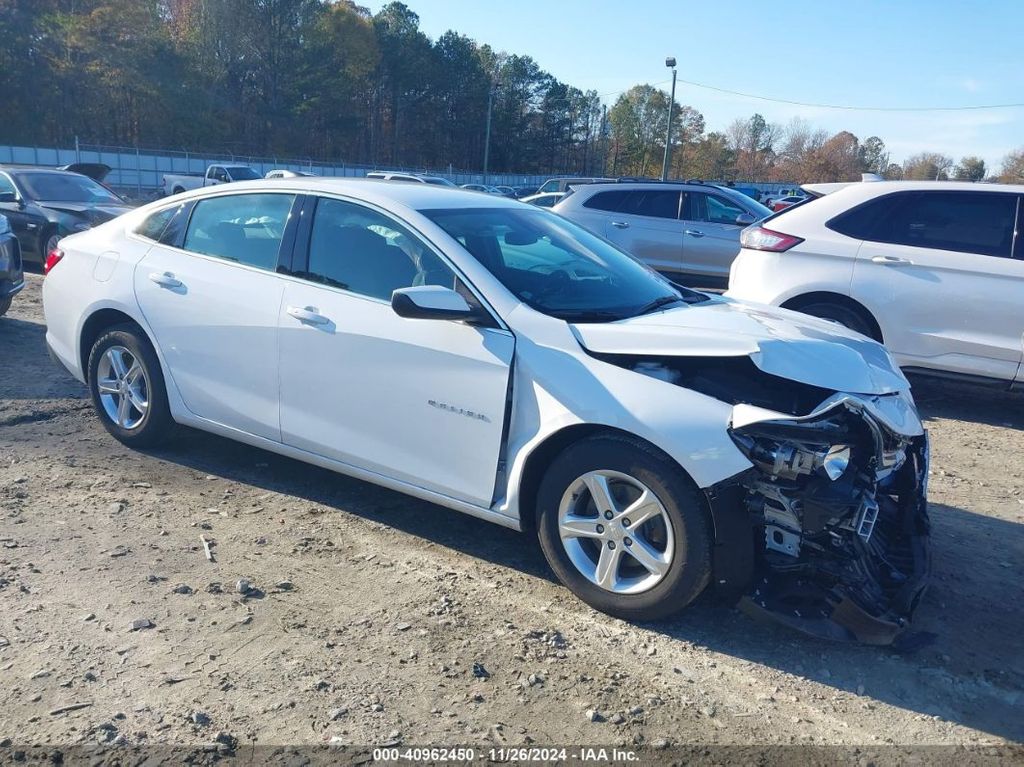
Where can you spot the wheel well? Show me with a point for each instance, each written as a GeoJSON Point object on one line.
{"type": "Point", "coordinates": [545, 453]}
{"type": "Point", "coordinates": [94, 326]}
{"type": "Point", "coordinates": [824, 297]}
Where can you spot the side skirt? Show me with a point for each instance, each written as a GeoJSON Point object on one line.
{"type": "Point", "coordinates": [352, 471]}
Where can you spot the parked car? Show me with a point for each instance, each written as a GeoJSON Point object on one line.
{"type": "Point", "coordinates": [525, 191]}
{"type": "Point", "coordinates": [43, 204]}
{"type": "Point", "coordinates": [12, 279]}
{"type": "Point", "coordinates": [786, 202]}
{"type": "Point", "coordinates": [504, 362]}
{"type": "Point", "coordinates": [507, 191]}
{"type": "Point", "coordinates": [690, 229]}
{"type": "Point", "coordinates": [286, 173]}
{"type": "Point", "coordinates": [546, 200]}
{"type": "Point", "coordinates": [176, 183]}
{"type": "Point", "coordinates": [485, 188]}
{"type": "Point", "coordinates": [415, 178]}
{"type": "Point", "coordinates": [562, 184]}
{"type": "Point", "coordinates": [933, 269]}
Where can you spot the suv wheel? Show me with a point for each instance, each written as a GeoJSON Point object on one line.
{"type": "Point", "coordinates": [127, 387]}
{"type": "Point", "coordinates": [844, 315]}
{"type": "Point", "coordinates": [624, 528]}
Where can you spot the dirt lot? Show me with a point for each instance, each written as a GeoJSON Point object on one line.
{"type": "Point", "coordinates": [376, 618]}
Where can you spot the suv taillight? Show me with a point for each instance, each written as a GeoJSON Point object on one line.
{"type": "Point", "coordinates": [759, 238]}
{"type": "Point", "coordinates": [52, 259]}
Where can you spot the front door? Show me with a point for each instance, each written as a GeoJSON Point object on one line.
{"type": "Point", "coordinates": [940, 275]}
{"type": "Point", "coordinates": [213, 303]}
{"type": "Point", "coordinates": [711, 236]}
{"type": "Point", "coordinates": [420, 401]}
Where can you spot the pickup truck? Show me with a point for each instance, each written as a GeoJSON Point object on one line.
{"type": "Point", "coordinates": [175, 183]}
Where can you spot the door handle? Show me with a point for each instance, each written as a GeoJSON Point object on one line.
{"type": "Point", "coordinates": [693, 232]}
{"type": "Point", "coordinates": [620, 224]}
{"type": "Point", "coordinates": [165, 280]}
{"type": "Point", "coordinates": [891, 261]}
{"type": "Point", "coordinates": [307, 314]}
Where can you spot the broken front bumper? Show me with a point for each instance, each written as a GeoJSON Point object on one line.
{"type": "Point", "coordinates": [844, 559]}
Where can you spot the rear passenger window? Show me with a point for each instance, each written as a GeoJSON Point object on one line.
{"type": "Point", "coordinates": [609, 201]}
{"type": "Point", "coordinates": [658, 203]}
{"type": "Point", "coordinates": [969, 222]}
{"type": "Point", "coordinates": [363, 251]}
{"type": "Point", "coordinates": [245, 228]}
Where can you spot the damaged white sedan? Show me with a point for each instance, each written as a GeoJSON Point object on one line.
{"type": "Point", "coordinates": [499, 360]}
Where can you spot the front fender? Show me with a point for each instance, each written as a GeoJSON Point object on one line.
{"type": "Point", "coordinates": [554, 389]}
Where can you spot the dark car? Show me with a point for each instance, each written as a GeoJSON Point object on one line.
{"type": "Point", "coordinates": [44, 204]}
{"type": "Point", "coordinates": [12, 279]}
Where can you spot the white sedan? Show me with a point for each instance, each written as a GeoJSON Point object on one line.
{"type": "Point", "coordinates": [499, 360]}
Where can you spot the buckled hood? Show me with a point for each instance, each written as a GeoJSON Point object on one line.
{"type": "Point", "coordinates": [780, 342]}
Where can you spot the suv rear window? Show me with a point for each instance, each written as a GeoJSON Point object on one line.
{"type": "Point", "coordinates": [966, 222]}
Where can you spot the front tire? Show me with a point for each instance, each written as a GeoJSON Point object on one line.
{"type": "Point", "coordinates": [624, 528]}
{"type": "Point", "coordinates": [5, 304]}
{"type": "Point", "coordinates": [127, 387]}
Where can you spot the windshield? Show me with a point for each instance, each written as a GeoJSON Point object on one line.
{"type": "Point", "coordinates": [242, 173]}
{"type": "Point", "coordinates": [557, 267]}
{"type": "Point", "coordinates": [65, 187]}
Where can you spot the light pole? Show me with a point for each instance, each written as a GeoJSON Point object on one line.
{"type": "Point", "coordinates": [669, 62]}
{"type": "Point", "coordinates": [487, 135]}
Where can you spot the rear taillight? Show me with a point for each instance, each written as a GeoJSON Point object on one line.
{"type": "Point", "coordinates": [759, 238]}
{"type": "Point", "coordinates": [52, 259]}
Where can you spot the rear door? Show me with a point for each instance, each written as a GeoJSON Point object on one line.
{"type": "Point", "coordinates": [645, 223]}
{"type": "Point", "coordinates": [212, 300]}
{"type": "Point", "coordinates": [711, 236]}
{"type": "Point", "coordinates": [419, 401]}
{"type": "Point", "coordinates": [940, 273]}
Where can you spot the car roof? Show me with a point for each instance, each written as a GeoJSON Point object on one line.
{"type": "Point", "coordinates": [413, 195]}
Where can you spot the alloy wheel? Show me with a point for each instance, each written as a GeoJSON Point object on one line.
{"type": "Point", "coordinates": [123, 387]}
{"type": "Point", "coordinates": [616, 532]}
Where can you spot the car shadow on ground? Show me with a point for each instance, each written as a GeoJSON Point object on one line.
{"type": "Point", "coordinates": [991, 405]}
{"type": "Point", "coordinates": [965, 666]}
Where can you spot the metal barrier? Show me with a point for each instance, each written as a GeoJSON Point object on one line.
{"type": "Point", "coordinates": [139, 172]}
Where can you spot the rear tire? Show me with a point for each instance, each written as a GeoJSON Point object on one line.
{"type": "Point", "coordinates": [5, 304]}
{"type": "Point", "coordinates": [846, 316]}
{"type": "Point", "coordinates": [643, 559]}
{"type": "Point", "coordinates": [127, 387]}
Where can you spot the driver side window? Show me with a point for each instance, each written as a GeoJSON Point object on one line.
{"type": "Point", "coordinates": [360, 250]}
{"type": "Point", "coordinates": [719, 210]}
{"type": "Point", "coordinates": [7, 188]}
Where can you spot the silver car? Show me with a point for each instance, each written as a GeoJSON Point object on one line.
{"type": "Point", "coordinates": [677, 228]}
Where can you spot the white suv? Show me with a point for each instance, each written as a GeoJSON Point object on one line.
{"type": "Point", "coordinates": [935, 270]}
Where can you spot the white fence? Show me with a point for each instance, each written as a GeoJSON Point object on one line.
{"type": "Point", "coordinates": [140, 172]}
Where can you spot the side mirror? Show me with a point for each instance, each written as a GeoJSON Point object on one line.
{"type": "Point", "coordinates": [432, 302]}
{"type": "Point", "coordinates": [745, 219]}
{"type": "Point", "coordinates": [8, 197]}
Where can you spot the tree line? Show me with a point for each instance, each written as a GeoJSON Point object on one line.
{"type": "Point", "coordinates": [328, 80]}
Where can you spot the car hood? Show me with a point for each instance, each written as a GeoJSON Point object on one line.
{"type": "Point", "coordinates": [99, 213]}
{"type": "Point", "coordinates": [779, 342]}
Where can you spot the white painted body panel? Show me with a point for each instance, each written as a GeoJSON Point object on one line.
{"type": "Point", "coordinates": [936, 309]}
{"type": "Point", "coordinates": [357, 398]}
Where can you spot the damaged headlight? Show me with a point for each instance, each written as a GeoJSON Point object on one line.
{"type": "Point", "coordinates": [789, 460]}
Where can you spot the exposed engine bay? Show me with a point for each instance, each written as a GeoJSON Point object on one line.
{"type": "Point", "coordinates": [828, 531]}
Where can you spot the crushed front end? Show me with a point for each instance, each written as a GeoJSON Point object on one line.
{"type": "Point", "coordinates": [828, 532]}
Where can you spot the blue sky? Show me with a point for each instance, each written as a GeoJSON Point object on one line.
{"type": "Point", "coordinates": [850, 52]}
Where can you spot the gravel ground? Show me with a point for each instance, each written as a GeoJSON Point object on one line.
{"type": "Point", "coordinates": [336, 611]}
